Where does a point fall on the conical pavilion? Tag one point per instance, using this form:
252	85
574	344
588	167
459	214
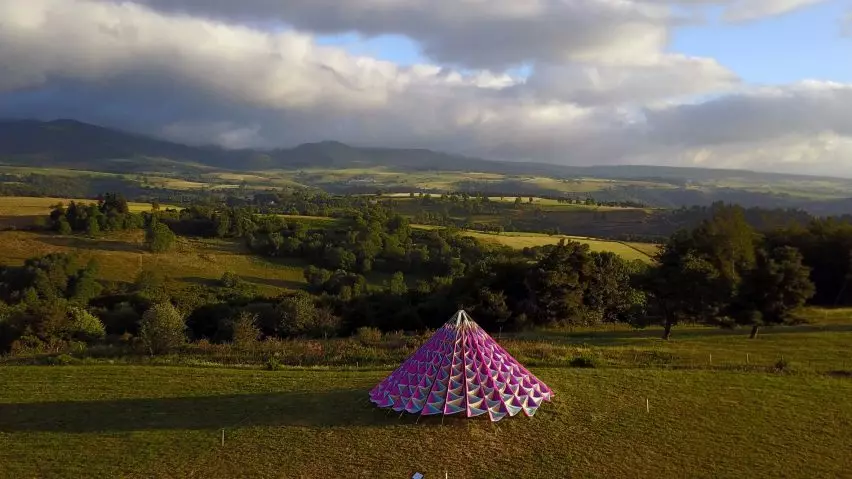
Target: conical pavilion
461	369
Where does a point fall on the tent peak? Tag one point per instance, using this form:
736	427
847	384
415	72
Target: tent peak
460	317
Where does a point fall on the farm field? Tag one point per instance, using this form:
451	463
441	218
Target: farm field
38	206
704	420
22	211
122	256
631	251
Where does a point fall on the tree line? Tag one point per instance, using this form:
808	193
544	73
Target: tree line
722	272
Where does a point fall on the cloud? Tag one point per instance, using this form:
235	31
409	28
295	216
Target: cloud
666	77
201	80
803	109
745	10
493	34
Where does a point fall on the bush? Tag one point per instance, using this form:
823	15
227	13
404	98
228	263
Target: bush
61	360
84	326
299	316
582	362
159	238
230	280
368	336
782	365
162	329
272	363
245	330
64	227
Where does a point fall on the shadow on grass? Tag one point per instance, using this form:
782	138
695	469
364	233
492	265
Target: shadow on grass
337	408
627	336
278	283
18	222
92	244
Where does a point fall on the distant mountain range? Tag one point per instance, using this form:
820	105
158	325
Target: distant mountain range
74	144
71	144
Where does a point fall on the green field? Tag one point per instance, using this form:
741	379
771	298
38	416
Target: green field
709	414
25	206
122	256
630	251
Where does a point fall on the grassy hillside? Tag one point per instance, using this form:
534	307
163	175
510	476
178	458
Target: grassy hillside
630	251
337	167
122	256
136	421
20	212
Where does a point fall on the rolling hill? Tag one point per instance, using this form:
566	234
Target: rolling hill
342	168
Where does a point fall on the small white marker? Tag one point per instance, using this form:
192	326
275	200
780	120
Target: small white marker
647	405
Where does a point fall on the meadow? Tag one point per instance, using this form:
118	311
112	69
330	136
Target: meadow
631	251
20	212
690	407
121	256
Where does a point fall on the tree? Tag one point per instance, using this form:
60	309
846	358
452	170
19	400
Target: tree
557	283
777	285
84	326
155	205
150	283
84	286
397	285
727	241
93	228
682	286
162	329
296	315
159	237
245	330
316	277
63	226
609	291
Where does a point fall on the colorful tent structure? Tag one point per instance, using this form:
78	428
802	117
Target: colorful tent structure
461	369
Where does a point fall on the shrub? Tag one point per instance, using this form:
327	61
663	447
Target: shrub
368	336
162	329
245	330
84	326
61	360
272	363
63	226
230	280
582	362
781	365
325	324
159	238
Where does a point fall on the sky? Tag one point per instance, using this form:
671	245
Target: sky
756	84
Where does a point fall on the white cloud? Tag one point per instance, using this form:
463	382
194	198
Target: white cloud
666	77
202	80
474	33
745	10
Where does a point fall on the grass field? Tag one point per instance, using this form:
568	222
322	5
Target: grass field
32	206
121	256
703	420
630	251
